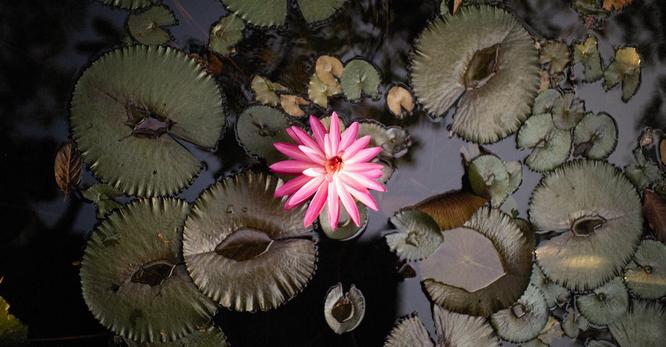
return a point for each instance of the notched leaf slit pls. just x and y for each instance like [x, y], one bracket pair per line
[154, 273]
[586, 226]
[482, 67]
[244, 244]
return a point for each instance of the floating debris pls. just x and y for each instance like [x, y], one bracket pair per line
[67, 167]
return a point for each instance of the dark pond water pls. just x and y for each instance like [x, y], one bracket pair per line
[45, 44]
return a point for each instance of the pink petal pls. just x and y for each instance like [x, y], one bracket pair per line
[355, 180]
[291, 186]
[293, 136]
[314, 154]
[375, 173]
[356, 146]
[359, 167]
[306, 139]
[304, 192]
[364, 155]
[327, 146]
[334, 134]
[348, 136]
[315, 172]
[291, 166]
[291, 151]
[348, 202]
[333, 206]
[363, 195]
[318, 129]
[316, 205]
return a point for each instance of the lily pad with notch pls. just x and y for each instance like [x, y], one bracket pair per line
[225, 34]
[645, 276]
[359, 77]
[132, 108]
[328, 70]
[259, 127]
[545, 101]
[417, 236]
[595, 137]
[481, 267]
[605, 304]
[567, 111]
[595, 213]
[525, 319]
[243, 250]
[625, 68]
[642, 173]
[147, 27]
[550, 145]
[494, 178]
[344, 311]
[484, 60]
[394, 140]
[133, 278]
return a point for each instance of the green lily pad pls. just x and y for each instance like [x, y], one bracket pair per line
[102, 195]
[492, 177]
[258, 127]
[550, 145]
[556, 54]
[346, 229]
[587, 53]
[555, 294]
[409, 331]
[266, 91]
[129, 4]
[225, 34]
[545, 101]
[259, 12]
[344, 311]
[211, 337]
[147, 27]
[605, 304]
[596, 215]
[595, 137]
[480, 268]
[360, 77]
[646, 274]
[644, 325]
[318, 10]
[485, 59]
[567, 111]
[625, 68]
[132, 275]
[642, 173]
[12, 331]
[524, 320]
[131, 105]
[418, 235]
[319, 92]
[243, 249]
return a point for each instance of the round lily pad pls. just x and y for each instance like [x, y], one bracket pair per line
[409, 331]
[596, 214]
[481, 267]
[418, 235]
[587, 53]
[452, 209]
[644, 325]
[147, 27]
[605, 304]
[567, 111]
[211, 337]
[130, 106]
[556, 54]
[243, 249]
[485, 59]
[625, 68]
[360, 77]
[646, 274]
[545, 101]
[346, 229]
[224, 34]
[525, 319]
[550, 145]
[129, 4]
[132, 275]
[595, 137]
[555, 294]
[259, 127]
[344, 311]
[494, 178]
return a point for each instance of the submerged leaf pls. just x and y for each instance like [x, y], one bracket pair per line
[418, 235]
[625, 68]
[344, 311]
[225, 34]
[147, 27]
[67, 167]
[587, 53]
[360, 77]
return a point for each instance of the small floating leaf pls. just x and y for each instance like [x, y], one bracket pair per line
[550, 145]
[646, 275]
[292, 105]
[605, 304]
[490, 177]
[567, 111]
[587, 53]
[328, 69]
[642, 173]
[525, 319]
[573, 322]
[319, 92]
[557, 55]
[625, 68]
[225, 34]
[147, 27]
[67, 167]
[360, 77]
[102, 195]
[400, 101]
[545, 101]
[12, 331]
[346, 229]
[595, 137]
[344, 311]
[643, 325]
[265, 91]
[654, 209]
[258, 127]
[418, 235]
[596, 214]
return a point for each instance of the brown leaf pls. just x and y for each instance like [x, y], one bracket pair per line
[400, 101]
[610, 5]
[662, 151]
[654, 208]
[292, 105]
[455, 6]
[244, 244]
[451, 210]
[67, 167]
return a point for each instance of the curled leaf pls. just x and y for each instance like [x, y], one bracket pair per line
[244, 244]
[452, 209]
[67, 167]
[328, 70]
[292, 105]
[400, 101]
[344, 311]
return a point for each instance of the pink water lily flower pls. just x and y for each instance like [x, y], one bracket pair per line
[331, 167]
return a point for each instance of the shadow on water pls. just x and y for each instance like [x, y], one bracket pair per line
[45, 43]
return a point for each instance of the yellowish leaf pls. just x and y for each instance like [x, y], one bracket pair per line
[67, 167]
[610, 5]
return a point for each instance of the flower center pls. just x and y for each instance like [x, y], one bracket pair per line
[333, 165]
